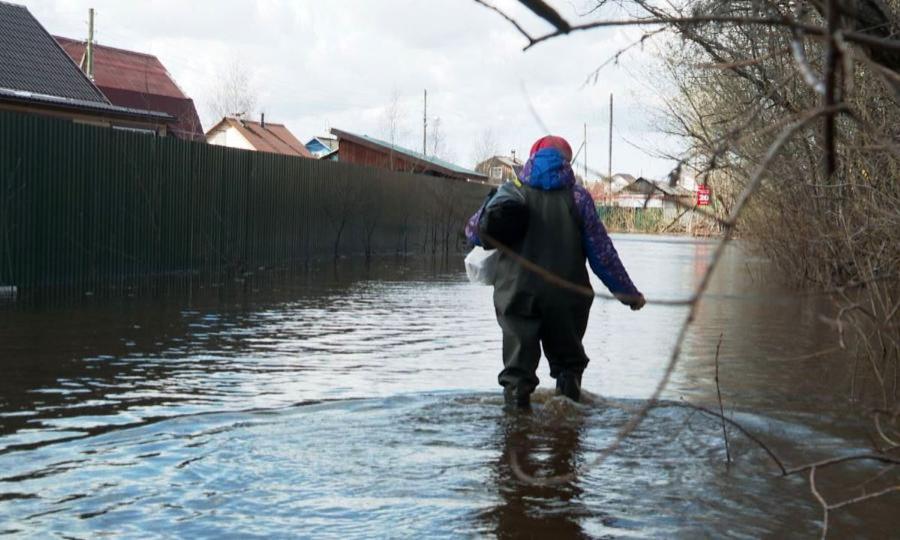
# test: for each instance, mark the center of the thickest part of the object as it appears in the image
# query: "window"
(496, 173)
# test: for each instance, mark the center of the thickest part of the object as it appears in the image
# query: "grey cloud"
(319, 64)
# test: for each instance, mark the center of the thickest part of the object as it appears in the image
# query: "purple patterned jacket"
(548, 170)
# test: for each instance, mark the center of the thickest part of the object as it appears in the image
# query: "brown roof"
(125, 70)
(428, 163)
(274, 138)
(138, 80)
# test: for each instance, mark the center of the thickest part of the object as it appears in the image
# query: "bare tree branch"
(542, 10)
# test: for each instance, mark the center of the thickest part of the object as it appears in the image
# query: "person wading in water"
(559, 229)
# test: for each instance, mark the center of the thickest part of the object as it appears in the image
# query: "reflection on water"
(363, 402)
(539, 449)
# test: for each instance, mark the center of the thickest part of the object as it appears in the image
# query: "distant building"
(38, 77)
(365, 150)
(500, 169)
(322, 146)
(643, 193)
(138, 80)
(259, 136)
(619, 182)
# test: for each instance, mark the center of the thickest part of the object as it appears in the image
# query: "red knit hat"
(552, 141)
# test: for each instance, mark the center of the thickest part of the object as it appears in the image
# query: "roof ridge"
(453, 167)
(265, 135)
(56, 44)
(257, 122)
(109, 47)
(124, 62)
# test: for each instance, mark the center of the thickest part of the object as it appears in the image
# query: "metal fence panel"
(86, 209)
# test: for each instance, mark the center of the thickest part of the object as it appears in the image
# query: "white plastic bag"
(481, 265)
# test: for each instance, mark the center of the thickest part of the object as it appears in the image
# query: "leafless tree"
(791, 111)
(234, 93)
(437, 139)
(485, 146)
(393, 120)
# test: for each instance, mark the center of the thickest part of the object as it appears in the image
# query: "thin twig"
(534, 113)
(721, 407)
(843, 459)
(809, 356)
(877, 415)
(742, 63)
(806, 71)
(563, 27)
(771, 453)
(509, 19)
(563, 283)
(861, 498)
(615, 58)
(818, 496)
(675, 21)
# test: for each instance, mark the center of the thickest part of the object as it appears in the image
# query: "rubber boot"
(516, 400)
(569, 384)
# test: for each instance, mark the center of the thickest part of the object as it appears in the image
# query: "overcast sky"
(325, 63)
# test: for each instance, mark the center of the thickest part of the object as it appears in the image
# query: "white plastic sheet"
(481, 265)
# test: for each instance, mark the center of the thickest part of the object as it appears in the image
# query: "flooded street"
(362, 402)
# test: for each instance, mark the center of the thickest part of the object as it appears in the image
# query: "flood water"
(362, 402)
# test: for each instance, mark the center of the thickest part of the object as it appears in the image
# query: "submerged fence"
(87, 209)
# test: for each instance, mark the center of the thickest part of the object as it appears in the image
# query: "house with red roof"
(372, 152)
(139, 81)
(37, 77)
(259, 136)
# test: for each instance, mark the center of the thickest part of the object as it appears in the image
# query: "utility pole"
(89, 51)
(425, 125)
(585, 154)
(609, 171)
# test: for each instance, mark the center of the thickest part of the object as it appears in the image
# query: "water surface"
(362, 402)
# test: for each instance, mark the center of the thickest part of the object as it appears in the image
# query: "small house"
(644, 193)
(322, 146)
(259, 136)
(140, 81)
(372, 152)
(38, 77)
(619, 182)
(500, 169)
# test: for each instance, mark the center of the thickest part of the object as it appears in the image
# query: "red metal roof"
(138, 80)
(420, 162)
(274, 138)
(125, 70)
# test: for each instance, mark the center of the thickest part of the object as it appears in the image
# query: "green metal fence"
(90, 209)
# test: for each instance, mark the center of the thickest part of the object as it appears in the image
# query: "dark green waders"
(534, 313)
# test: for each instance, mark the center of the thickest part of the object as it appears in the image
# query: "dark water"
(363, 403)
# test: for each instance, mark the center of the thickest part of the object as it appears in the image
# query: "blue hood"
(547, 169)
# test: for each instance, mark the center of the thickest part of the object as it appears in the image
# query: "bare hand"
(638, 303)
(634, 301)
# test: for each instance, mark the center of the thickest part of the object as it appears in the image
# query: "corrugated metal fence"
(85, 209)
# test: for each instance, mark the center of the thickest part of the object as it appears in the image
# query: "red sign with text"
(703, 195)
